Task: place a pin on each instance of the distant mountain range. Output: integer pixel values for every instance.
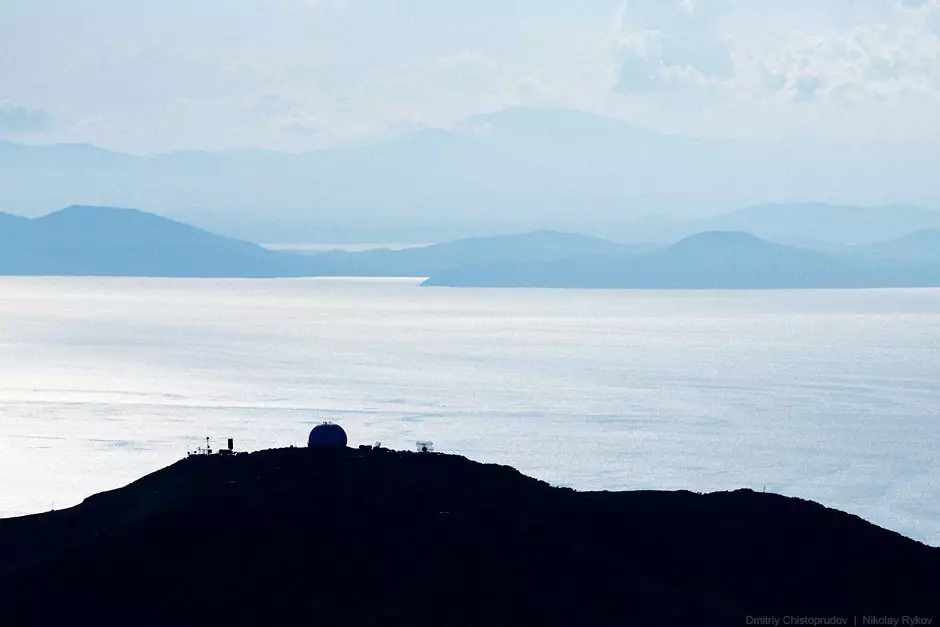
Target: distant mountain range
(501, 251)
(713, 260)
(919, 247)
(811, 225)
(511, 171)
(105, 241)
(102, 241)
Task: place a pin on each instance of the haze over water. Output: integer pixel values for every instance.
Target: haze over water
(827, 395)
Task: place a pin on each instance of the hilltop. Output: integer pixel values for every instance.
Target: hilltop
(378, 537)
(820, 225)
(108, 241)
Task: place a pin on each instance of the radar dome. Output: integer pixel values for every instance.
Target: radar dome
(327, 435)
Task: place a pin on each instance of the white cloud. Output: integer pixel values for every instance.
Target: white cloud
(884, 61)
(668, 40)
(790, 69)
(161, 75)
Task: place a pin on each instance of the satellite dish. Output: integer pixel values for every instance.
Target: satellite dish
(425, 447)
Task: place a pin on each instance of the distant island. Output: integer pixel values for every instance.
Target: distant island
(104, 241)
(371, 536)
(721, 260)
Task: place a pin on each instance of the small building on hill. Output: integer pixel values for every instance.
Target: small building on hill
(327, 435)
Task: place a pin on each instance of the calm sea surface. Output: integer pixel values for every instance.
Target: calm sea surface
(827, 395)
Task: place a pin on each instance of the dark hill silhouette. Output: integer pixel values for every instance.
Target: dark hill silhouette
(375, 537)
(106, 241)
(715, 260)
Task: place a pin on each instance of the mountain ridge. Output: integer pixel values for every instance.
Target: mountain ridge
(507, 171)
(422, 261)
(920, 246)
(103, 241)
(797, 223)
(86, 240)
(107, 241)
(711, 260)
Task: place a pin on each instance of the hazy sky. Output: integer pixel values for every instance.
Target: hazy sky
(155, 75)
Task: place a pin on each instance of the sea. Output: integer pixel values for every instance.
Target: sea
(832, 396)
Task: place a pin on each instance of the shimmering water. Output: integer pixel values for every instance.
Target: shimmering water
(828, 395)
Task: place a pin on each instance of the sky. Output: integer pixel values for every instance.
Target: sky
(150, 76)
